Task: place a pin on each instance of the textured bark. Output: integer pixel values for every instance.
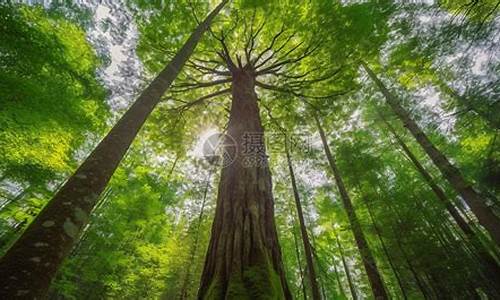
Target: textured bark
(303, 230)
(30, 264)
(477, 204)
(244, 260)
(371, 269)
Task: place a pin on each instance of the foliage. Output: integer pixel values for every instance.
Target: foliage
(148, 235)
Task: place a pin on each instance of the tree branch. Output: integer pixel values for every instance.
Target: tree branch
(200, 100)
(295, 93)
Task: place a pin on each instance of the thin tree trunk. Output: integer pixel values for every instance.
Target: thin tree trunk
(31, 263)
(337, 277)
(406, 256)
(244, 258)
(301, 273)
(477, 204)
(303, 231)
(194, 249)
(491, 266)
(371, 269)
(430, 181)
(385, 249)
(346, 269)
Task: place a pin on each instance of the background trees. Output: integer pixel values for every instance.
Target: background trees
(149, 231)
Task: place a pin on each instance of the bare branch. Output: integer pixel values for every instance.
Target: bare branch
(275, 67)
(290, 37)
(271, 45)
(295, 93)
(200, 100)
(191, 86)
(207, 70)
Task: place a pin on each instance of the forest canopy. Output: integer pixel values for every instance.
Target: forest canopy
(249, 149)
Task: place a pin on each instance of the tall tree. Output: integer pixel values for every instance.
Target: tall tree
(490, 264)
(243, 258)
(371, 269)
(303, 229)
(31, 263)
(477, 204)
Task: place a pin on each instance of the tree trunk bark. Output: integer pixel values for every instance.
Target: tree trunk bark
(30, 264)
(477, 204)
(244, 260)
(371, 269)
(303, 231)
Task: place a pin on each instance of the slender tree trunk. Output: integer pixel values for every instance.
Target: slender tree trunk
(301, 273)
(492, 268)
(346, 269)
(477, 204)
(244, 258)
(385, 249)
(337, 278)
(194, 249)
(430, 181)
(30, 264)
(371, 269)
(303, 231)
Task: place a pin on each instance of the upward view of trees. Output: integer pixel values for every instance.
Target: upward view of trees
(260, 150)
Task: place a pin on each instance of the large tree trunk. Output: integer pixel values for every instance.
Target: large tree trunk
(243, 260)
(477, 204)
(371, 269)
(303, 230)
(30, 264)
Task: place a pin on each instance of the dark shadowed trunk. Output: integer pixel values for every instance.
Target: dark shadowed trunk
(477, 204)
(243, 260)
(371, 269)
(30, 264)
(303, 230)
